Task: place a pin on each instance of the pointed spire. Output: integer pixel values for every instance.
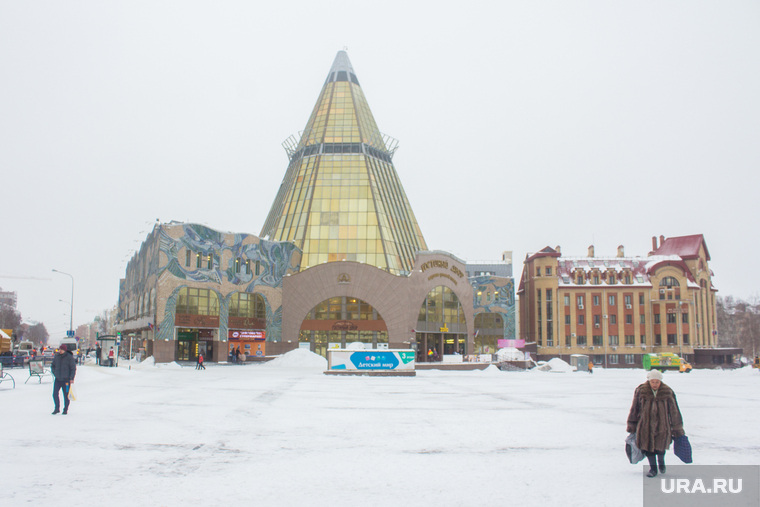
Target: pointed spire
(341, 69)
(341, 198)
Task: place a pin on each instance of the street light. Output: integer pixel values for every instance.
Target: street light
(71, 320)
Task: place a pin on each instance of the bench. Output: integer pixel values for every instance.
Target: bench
(6, 377)
(37, 369)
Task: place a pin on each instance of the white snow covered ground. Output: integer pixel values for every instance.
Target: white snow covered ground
(282, 434)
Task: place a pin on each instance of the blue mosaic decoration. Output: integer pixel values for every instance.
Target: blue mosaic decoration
(504, 303)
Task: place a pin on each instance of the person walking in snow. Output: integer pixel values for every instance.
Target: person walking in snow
(64, 370)
(656, 420)
(111, 356)
(200, 366)
(591, 367)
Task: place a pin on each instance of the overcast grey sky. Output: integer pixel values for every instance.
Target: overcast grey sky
(521, 125)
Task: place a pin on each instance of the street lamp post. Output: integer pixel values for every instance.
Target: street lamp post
(71, 317)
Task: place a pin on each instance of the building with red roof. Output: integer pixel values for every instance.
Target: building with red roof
(616, 309)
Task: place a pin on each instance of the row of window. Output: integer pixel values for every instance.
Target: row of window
(671, 319)
(614, 340)
(191, 301)
(206, 261)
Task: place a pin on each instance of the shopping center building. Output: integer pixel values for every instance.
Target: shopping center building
(340, 259)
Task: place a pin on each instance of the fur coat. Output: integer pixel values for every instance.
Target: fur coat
(655, 419)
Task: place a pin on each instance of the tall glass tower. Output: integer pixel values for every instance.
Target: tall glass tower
(341, 198)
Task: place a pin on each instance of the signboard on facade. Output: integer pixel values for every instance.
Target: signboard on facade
(246, 334)
(511, 343)
(370, 360)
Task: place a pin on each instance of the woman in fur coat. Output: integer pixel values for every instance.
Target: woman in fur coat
(656, 420)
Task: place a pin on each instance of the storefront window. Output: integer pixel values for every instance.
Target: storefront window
(247, 305)
(197, 302)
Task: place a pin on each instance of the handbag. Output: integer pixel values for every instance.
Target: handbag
(72, 393)
(682, 448)
(631, 450)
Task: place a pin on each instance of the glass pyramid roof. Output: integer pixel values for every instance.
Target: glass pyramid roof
(341, 198)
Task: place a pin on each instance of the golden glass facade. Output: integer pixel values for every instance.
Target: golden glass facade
(341, 198)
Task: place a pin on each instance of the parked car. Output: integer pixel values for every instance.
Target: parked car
(18, 358)
(22, 357)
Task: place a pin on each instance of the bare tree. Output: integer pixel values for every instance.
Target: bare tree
(37, 334)
(10, 319)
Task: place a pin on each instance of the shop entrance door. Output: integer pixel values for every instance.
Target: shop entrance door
(185, 352)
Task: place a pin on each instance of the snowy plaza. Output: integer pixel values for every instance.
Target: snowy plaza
(283, 433)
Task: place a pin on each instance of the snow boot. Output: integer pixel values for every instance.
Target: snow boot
(661, 462)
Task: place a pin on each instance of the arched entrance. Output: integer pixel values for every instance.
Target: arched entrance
(441, 326)
(340, 321)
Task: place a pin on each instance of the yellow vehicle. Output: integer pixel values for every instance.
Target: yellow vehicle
(665, 361)
(5, 340)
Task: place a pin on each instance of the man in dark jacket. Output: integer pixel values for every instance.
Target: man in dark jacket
(64, 369)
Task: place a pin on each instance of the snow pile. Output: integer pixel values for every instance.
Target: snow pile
(510, 354)
(299, 358)
(492, 369)
(555, 365)
(355, 346)
(174, 365)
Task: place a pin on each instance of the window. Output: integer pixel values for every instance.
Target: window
(188, 255)
(642, 319)
(656, 318)
(197, 302)
(581, 340)
(641, 299)
(247, 266)
(596, 300)
(597, 320)
(685, 318)
(686, 339)
(669, 282)
(628, 358)
(614, 340)
(579, 299)
(658, 340)
(210, 262)
(643, 339)
(538, 270)
(596, 279)
(548, 271)
(612, 359)
(628, 279)
(567, 300)
(630, 339)
(568, 341)
(613, 319)
(237, 265)
(671, 339)
(628, 318)
(671, 318)
(567, 319)
(611, 278)
(627, 300)
(597, 340)
(611, 300)
(258, 267)
(548, 294)
(581, 320)
(244, 304)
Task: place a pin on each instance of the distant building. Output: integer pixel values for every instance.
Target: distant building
(615, 309)
(8, 299)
